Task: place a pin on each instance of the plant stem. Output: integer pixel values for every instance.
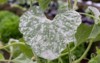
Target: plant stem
(69, 4)
(37, 58)
(11, 52)
(75, 4)
(6, 60)
(60, 60)
(63, 54)
(12, 44)
(11, 55)
(69, 54)
(31, 2)
(48, 61)
(89, 15)
(85, 53)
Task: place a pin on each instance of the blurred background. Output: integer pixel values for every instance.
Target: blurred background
(11, 10)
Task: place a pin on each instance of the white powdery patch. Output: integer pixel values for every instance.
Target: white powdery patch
(49, 38)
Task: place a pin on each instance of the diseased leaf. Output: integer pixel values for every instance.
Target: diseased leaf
(95, 12)
(48, 38)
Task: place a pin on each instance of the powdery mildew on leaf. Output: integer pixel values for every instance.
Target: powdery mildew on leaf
(49, 37)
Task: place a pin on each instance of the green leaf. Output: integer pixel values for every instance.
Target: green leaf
(95, 59)
(1, 57)
(97, 38)
(77, 52)
(95, 32)
(26, 50)
(9, 26)
(3, 1)
(22, 59)
(83, 33)
(44, 4)
(97, 50)
(21, 48)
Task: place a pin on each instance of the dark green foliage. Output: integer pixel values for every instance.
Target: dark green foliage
(77, 52)
(95, 59)
(3, 1)
(9, 24)
(83, 33)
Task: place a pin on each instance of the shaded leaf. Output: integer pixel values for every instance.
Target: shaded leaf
(26, 50)
(95, 32)
(3, 1)
(1, 57)
(22, 59)
(83, 33)
(44, 4)
(95, 59)
(97, 38)
(21, 48)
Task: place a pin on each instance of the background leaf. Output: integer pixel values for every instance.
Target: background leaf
(3, 1)
(95, 12)
(9, 24)
(44, 4)
(95, 59)
(95, 31)
(97, 38)
(21, 48)
(22, 59)
(83, 33)
(1, 57)
(26, 50)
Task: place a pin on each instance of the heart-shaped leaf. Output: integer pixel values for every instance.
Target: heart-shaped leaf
(49, 37)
